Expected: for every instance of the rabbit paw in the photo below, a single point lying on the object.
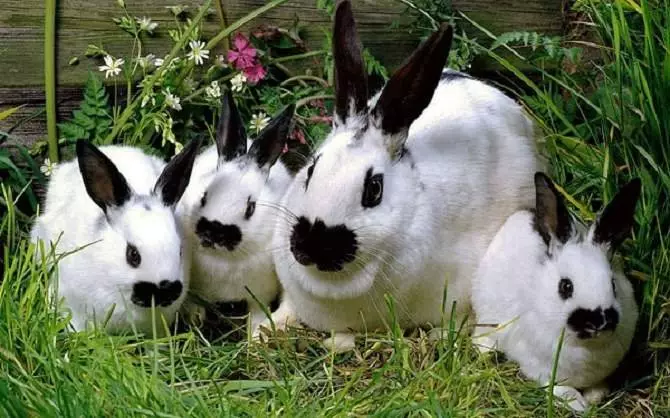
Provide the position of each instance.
(572, 396)
(340, 342)
(282, 318)
(597, 393)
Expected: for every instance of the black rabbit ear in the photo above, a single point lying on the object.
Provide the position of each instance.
(351, 82)
(270, 142)
(176, 175)
(105, 185)
(410, 89)
(231, 137)
(296, 157)
(552, 219)
(617, 219)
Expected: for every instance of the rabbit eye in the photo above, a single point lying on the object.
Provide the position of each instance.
(565, 288)
(251, 208)
(133, 257)
(373, 189)
(203, 201)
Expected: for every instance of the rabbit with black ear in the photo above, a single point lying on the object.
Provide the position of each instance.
(403, 196)
(230, 209)
(544, 273)
(113, 207)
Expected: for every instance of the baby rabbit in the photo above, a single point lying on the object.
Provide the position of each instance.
(230, 209)
(403, 196)
(113, 207)
(543, 273)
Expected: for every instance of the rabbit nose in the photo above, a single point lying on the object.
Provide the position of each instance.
(587, 323)
(164, 294)
(213, 233)
(611, 320)
(328, 247)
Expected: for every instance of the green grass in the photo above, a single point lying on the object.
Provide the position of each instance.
(601, 128)
(47, 371)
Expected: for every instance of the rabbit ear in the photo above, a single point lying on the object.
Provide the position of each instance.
(172, 182)
(351, 84)
(552, 219)
(617, 219)
(104, 184)
(231, 138)
(267, 147)
(411, 88)
(296, 157)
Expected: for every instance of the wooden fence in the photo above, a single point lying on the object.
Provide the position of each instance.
(83, 22)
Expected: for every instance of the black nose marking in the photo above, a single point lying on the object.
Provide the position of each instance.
(327, 247)
(213, 233)
(164, 294)
(587, 323)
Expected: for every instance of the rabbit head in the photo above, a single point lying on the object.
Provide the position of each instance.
(357, 193)
(578, 287)
(231, 219)
(142, 228)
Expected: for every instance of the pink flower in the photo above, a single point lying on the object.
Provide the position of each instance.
(298, 135)
(254, 73)
(242, 55)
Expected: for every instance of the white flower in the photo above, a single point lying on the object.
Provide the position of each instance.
(214, 90)
(198, 52)
(238, 82)
(47, 167)
(258, 122)
(158, 62)
(112, 66)
(146, 24)
(146, 62)
(172, 100)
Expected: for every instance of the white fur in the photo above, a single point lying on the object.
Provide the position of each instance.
(216, 273)
(471, 160)
(516, 286)
(96, 278)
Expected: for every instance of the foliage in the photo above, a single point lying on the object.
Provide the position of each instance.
(542, 47)
(93, 118)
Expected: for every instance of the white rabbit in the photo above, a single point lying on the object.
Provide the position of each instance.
(229, 211)
(118, 204)
(404, 195)
(543, 273)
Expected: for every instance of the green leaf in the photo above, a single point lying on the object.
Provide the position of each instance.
(72, 131)
(9, 112)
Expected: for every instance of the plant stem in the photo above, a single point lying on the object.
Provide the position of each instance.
(50, 77)
(319, 80)
(121, 121)
(224, 22)
(300, 103)
(298, 56)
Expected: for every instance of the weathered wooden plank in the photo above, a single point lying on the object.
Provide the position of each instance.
(83, 22)
(21, 33)
(31, 116)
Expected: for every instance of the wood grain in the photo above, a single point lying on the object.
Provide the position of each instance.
(82, 22)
